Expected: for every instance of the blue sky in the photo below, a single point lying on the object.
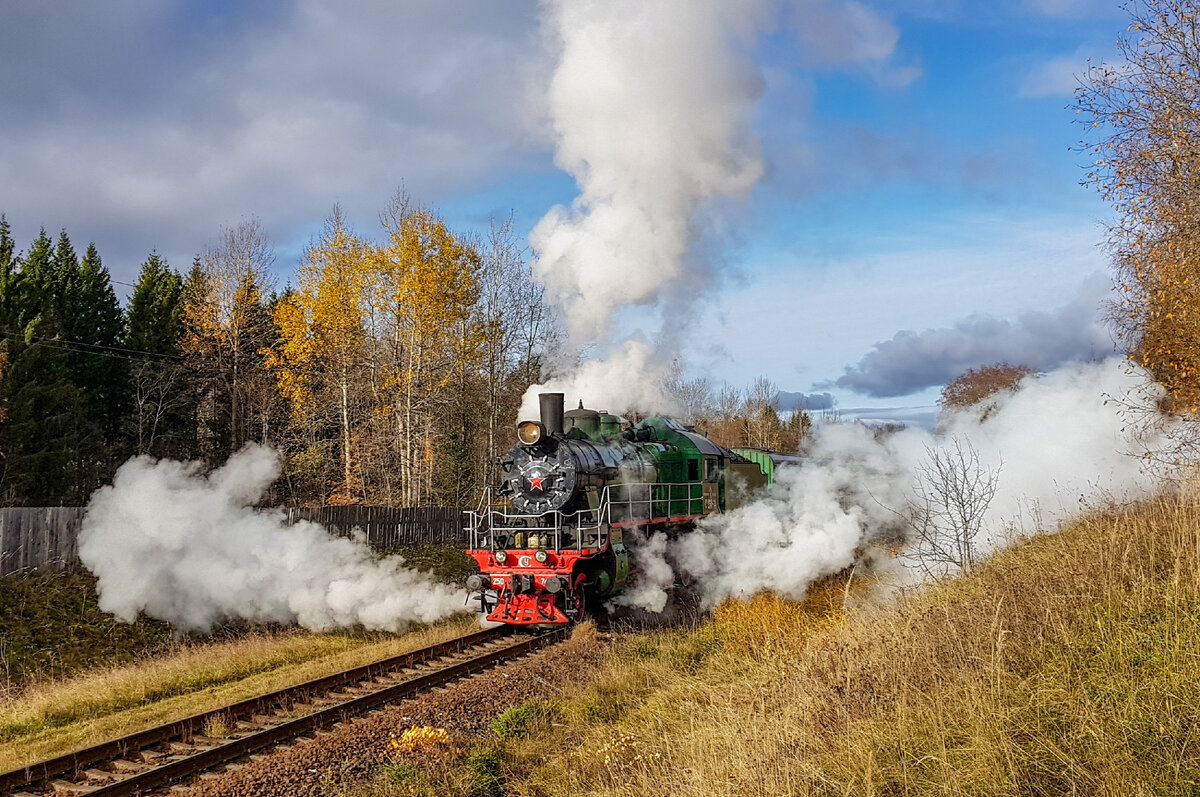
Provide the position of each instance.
(918, 178)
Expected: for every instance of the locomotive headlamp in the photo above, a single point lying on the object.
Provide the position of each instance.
(530, 433)
(501, 556)
(540, 556)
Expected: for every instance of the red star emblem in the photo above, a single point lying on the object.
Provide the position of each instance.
(535, 482)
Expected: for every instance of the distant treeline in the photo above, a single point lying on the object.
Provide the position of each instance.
(386, 372)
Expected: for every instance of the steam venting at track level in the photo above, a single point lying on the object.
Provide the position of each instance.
(190, 548)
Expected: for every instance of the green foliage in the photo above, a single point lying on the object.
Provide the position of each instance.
(46, 429)
(484, 772)
(68, 387)
(162, 416)
(95, 323)
(155, 312)
(518, 722)
(51, 626)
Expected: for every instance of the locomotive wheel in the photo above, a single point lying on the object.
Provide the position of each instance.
(580, 604)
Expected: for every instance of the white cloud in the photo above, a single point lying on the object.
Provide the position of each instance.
(849, 33)
(910, 361)
(137, 127)
(1055, 77)
(801, 318)
(1070, 8)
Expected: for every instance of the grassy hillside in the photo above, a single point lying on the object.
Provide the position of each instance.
(51, 626)
(1069, 664)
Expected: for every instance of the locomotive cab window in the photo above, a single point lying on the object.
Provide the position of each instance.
(693, 470)
(710, 470)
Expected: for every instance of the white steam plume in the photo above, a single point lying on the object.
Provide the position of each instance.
(188, 548)
(629, 378)
(1058, 441)
(655, 575)
(651, 104)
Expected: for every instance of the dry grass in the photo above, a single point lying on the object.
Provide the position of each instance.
(1066, 665)
(54, 717)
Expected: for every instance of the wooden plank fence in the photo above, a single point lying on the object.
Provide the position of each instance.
(387, 527)
(46, 539)
(39, 538)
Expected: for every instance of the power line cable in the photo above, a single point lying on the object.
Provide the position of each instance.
(125, 349)
(109, 351)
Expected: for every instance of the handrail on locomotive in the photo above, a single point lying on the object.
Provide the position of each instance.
(634, 505)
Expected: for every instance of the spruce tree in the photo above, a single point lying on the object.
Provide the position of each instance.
(98, 328)
(68, 381)
(162, 419)
(9, 279)
(30, 297)
(45, 431)
(154, 318)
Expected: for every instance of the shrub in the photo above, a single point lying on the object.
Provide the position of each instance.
(484, 772)
(517, 722)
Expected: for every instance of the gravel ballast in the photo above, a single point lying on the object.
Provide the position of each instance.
(350, 752)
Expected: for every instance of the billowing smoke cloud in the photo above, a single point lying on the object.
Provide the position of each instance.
(913, 361)
(189, 548)
(851, 34)
(1059, 440)
(630, 377)
(653, 108)
(651, 104)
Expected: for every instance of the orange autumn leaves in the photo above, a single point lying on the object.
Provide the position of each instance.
(1146, 163)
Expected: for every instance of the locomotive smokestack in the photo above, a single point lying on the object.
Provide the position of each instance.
(552, 412)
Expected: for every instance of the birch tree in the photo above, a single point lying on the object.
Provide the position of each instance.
(319, 360)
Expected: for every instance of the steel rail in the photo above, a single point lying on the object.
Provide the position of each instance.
(75, 764)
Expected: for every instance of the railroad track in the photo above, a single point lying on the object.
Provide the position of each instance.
(168, 754)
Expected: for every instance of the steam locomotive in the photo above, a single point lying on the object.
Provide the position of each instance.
(550, 539)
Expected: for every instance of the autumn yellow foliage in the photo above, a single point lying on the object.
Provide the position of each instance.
(1143, 123)
(369, 341)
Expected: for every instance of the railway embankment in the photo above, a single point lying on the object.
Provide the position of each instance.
(1064, 665)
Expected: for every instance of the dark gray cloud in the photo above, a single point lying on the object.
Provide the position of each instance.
(143, 125)
(804, 401)
(914, 361)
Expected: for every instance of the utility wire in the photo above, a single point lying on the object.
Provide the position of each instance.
(108, 351)
(123, 349)
(113, 355)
